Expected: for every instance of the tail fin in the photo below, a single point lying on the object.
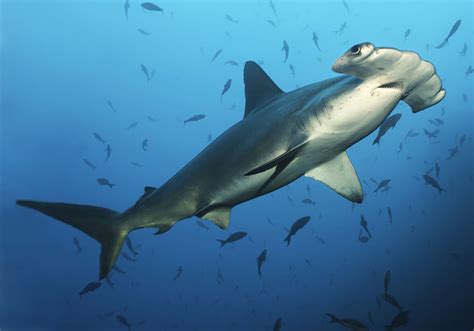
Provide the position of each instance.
(223, 242)
(333, 318)
(99, 223)
(288, 239)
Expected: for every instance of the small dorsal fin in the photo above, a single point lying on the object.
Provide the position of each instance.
(259, 87)
(149, 190)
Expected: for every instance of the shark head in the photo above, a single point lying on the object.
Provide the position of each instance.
(402, 72)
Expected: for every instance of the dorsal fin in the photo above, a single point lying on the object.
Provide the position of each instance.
(259, 88)
(146, 192)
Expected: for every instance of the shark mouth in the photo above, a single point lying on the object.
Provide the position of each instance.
(392, 85)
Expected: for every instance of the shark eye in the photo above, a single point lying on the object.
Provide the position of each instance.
(355, 49)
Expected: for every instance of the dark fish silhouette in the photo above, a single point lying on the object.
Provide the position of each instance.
(388, 124)
(126, 6)
(131, 126)
(431, 135)
(99, 138)
(108, 150)
(341, 29)
(179, 271)
(230, 19)
(195, 118)
(143, 32)
(151, 7)
(273, 8)
(386, 281)
(469, 71)
(78, 245)
(145, 144)
(400, 147)
(407, 33)
(226, 88)
(382, 184)
(431, 181)
(232, 63)
(209, 137)
(128, 241)
(392, 301)
(145, 71)
(389, 212)
(437, 169)
(105, 182)
(401, 319)
(278, 324)
(151, 119)
(346, 6)
(216, 55)
(297, 225)
(271, 23)
(453, 31)
(136, 164)
(122, 320)
(232, 238)
(260, 259)
(364, 224)
(464, 50)
(292, 68)
(308, 201)
(120, 271)
(91, 287)
(315, 40)
(89, 163)
(111, 106)
(348, 323)
(462, 140)
(285, 49)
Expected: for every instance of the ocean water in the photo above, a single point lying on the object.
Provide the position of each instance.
(70, 69)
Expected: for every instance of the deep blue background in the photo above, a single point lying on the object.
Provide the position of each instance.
(62, 60)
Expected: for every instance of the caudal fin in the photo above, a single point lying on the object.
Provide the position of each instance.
(223, 242)
(333, 318)
(99, 223)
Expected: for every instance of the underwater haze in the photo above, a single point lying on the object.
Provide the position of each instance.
(102, 98)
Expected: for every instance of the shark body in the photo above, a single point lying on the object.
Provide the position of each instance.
(282, 137)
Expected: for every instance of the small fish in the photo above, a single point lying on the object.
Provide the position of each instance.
(342, 28)
(145, 71)
(270, 221)
(308, 189)
(462, 140)
(297, 225)
(230, 19)
(348, 323)
(143, 32)
(407, 33)
(136, 164)
(292, 69)
(437, 169)
(391, 300)
(321, 240)
(273, 8)
(401, 319)
(128, 241)
(232, 63)
(346, 6)
(216, 55)
(202, 225)
(315, 40)
(233, 237)
(78, 245)
(120, 271)
(389, 212)
(278, 324)
(179, 271)
(195, 118)
(388, 124)
(111, 106)
(91, 287)
(226, 88)
(126, 6)
(131, 126)
(108, 150)
(151, 119)
(386, 280)
(464, 50)
(151, 7)
(431, 135)
(453, 31)
(383, 183)
(260, 259)
(431, 181)
(285, 49)
(89, 163)
(271, 23)
(122, 320)
(209, 137)
(364, 224)
(145, 144)
(308, 201)
(99, 138)
(469, 71)
(400, 147)
(105, 182)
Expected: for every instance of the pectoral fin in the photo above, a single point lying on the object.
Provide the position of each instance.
(339, 174)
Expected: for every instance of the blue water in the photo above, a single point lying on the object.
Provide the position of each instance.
(62, 61)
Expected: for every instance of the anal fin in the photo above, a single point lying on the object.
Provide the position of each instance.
(219, 215)
(339, 174)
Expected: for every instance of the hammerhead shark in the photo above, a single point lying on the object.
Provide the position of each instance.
(282, 137)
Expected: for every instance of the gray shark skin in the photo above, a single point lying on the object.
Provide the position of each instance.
(282, 137)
